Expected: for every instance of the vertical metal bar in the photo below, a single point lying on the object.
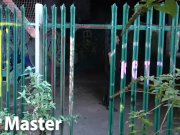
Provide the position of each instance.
(71, 65)
(15, 61)
(53, 60)
(147, 61)
(22, 54)
(112, 67)
(1, 60)
(62, 67)
(7, 60)
(45, 50)
(134, 68)
(159, 66)
(123, 70)
(173, 53)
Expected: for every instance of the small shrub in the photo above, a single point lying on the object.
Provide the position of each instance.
(38, 98)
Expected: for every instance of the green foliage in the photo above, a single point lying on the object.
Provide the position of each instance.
(38, 101)
(169, 7)
(4, 114)
(38, 97)
(141, 115)
(166, 6)
(166, 89)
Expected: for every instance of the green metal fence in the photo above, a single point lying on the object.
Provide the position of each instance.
(16, 24)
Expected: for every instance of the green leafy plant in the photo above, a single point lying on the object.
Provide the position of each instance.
(166, 90)
(3, 114)
(38, 97)
(139, 115)
(39, 100)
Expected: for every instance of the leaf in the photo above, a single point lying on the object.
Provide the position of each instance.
(147, 122)
(121, 107)
(168, 7)
(136, 132)
(22, 94)
(141, 78)
(131, 125)
(165, 99)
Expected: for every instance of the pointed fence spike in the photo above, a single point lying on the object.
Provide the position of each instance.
(63, 7)
(73, 6)
(126, 6)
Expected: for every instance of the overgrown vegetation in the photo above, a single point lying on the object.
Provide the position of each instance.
(166, 90)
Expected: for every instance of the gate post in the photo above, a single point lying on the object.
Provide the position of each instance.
(38, 37)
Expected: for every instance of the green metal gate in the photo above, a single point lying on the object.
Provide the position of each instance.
(17, 25)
